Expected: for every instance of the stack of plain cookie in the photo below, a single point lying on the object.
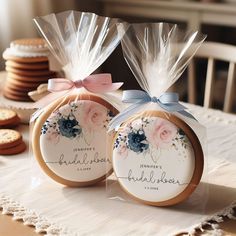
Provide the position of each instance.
(27, 66)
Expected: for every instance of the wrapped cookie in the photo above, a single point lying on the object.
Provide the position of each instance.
(157, 154)
(70, 130)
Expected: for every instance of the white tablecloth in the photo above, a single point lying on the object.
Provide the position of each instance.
(61, 210)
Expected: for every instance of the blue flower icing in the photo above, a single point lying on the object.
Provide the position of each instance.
(69, 127)
(137, 142)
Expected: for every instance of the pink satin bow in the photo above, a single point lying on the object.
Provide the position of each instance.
(98, 83)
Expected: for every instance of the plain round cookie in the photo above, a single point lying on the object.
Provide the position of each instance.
(12, 96)
(25, 79)
(9, 138)
(21, 84)
(28, 66)
(25, 59)
(12, 87)
(18, 92)
(8, 117)
(13, 150)
(36, 73)
(30, 78)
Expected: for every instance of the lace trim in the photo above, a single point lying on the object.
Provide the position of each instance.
(42, 225)
(211, 224)
(29, 217)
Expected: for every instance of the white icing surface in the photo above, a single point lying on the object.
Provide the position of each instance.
(74, 148)
(31, 48)
(24, 53)
(146, 174)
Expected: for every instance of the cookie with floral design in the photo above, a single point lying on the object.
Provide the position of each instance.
(157, 158)
(71, 140)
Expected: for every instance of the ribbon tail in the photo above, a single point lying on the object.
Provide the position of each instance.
(176, 107)
(43, 102)
(187, 114)
(131, 96)
(103, 88)
(121, 117)
(172, 107)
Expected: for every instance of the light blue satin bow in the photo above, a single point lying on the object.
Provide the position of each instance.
(168, 101)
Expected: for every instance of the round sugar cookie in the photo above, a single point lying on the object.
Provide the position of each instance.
(18, 92)
(29, 44)
(9, 138)
(157, 158)
(29, 73)
(13, 87)
(8, 117)
(25, 59)
(21, 84)
(30, 78)
(14, 150)
(28, 66)
(28, 50)
(26, 79)
(16, 97)
(69, 140)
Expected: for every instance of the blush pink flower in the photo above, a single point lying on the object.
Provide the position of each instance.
(93, 116)
(53, 136)
(122, 150)
(161, 133)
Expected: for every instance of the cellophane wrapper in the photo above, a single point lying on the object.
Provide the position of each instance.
(81, 42)
(157, 54)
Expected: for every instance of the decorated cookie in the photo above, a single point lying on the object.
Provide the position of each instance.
(27, 51)
(157, 158)
(70, 140)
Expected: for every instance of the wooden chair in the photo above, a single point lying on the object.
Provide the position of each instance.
(213, 51)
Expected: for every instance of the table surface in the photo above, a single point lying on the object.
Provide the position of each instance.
(33, 197)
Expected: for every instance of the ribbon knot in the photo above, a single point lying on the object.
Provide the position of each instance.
(154, 99)
(59, 87)
(78, 83)
(168, 101)
(97, 83)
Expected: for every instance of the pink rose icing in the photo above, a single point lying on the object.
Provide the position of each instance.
(122, 150)
(52, 136)
(161, 133)
(94, 116)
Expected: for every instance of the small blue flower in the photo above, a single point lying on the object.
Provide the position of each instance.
(137, 142)
(69, 127)
(181, 132)
(110, 113)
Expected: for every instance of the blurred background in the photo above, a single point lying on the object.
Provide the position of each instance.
(217, 19)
